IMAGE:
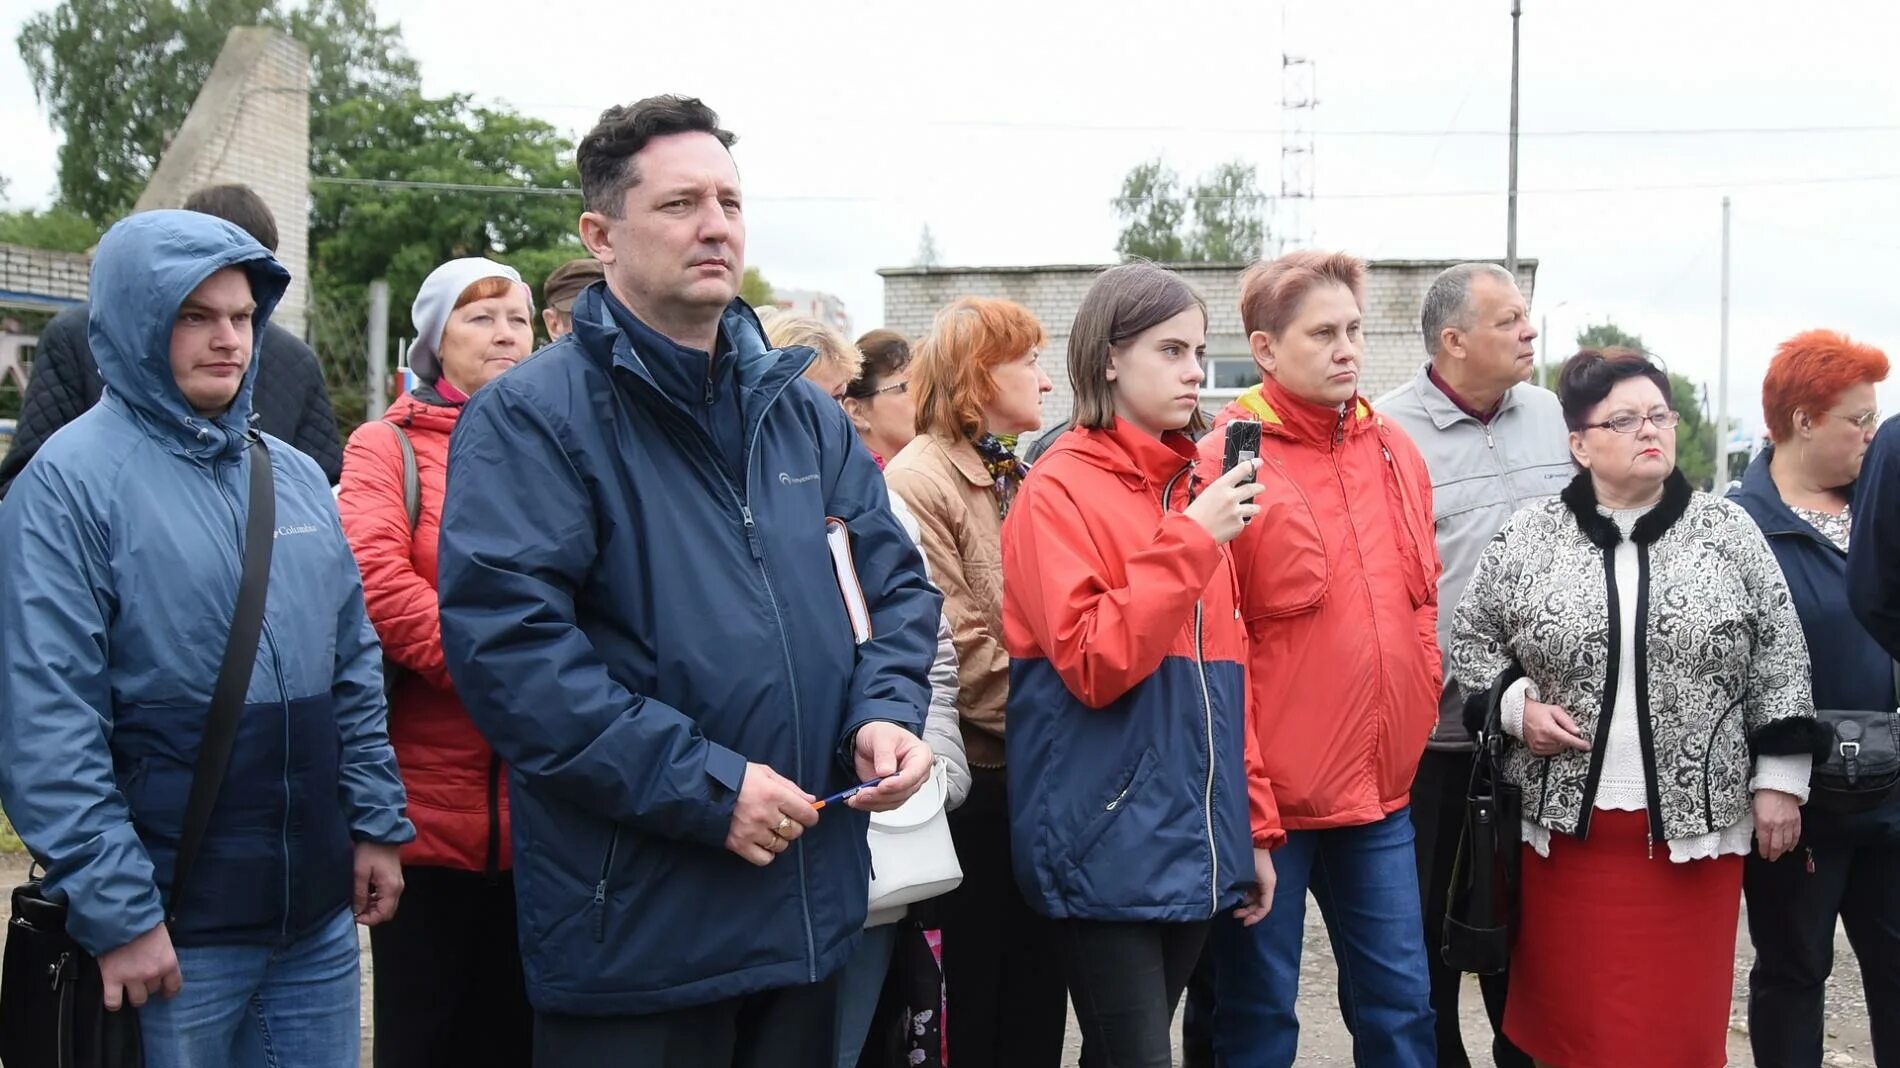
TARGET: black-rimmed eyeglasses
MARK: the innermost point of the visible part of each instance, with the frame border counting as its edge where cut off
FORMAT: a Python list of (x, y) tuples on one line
[(1630, 422)]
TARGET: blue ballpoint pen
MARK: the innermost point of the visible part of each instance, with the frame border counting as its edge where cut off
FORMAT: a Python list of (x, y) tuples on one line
[(845, 795)]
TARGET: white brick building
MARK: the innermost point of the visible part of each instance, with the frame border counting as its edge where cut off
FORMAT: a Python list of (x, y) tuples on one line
[(251, 125), (1394, 291)]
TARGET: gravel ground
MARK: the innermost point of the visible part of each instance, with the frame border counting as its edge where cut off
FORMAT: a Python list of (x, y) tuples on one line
[(1325, 1042)]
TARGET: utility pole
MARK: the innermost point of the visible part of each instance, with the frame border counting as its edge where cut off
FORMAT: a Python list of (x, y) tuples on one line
[(1510, 238), (377, 351), (1721, 389)]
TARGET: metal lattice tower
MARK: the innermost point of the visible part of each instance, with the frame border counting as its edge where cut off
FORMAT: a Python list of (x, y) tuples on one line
[(1293, 221)]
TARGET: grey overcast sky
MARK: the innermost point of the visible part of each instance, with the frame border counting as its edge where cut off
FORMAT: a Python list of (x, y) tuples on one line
[(1006, 127)]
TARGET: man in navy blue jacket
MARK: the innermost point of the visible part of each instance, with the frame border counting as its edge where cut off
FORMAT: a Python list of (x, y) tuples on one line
[(640, 611)]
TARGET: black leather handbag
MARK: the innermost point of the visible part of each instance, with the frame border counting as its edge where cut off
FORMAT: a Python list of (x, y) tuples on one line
[(1481, 908), (52, 1002), (1860, 768)]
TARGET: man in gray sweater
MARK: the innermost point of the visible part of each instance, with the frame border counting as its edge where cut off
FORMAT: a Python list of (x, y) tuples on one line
[(1494, 443)]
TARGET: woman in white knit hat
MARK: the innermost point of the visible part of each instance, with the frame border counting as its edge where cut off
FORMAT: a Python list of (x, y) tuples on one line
[(449, 986)]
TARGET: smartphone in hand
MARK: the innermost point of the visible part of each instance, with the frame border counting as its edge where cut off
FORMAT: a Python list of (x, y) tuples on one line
[(1243, 444)]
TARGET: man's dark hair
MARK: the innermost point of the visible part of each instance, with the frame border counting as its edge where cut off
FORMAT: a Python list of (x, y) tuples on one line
[(240, 206), (605, 157)]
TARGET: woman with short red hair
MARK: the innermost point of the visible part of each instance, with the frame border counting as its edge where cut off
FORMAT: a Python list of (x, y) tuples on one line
[(1339, 590), (977, 383), (1818, 399)]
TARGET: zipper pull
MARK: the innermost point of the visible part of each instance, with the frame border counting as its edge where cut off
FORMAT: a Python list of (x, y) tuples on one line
[(751, 533), (1810, 852)]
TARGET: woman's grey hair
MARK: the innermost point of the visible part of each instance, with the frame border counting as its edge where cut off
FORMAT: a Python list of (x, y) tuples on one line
[(1448, 301)]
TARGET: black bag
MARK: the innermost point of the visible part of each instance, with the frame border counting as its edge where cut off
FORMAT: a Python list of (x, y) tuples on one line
[(907, 1026), (1861, 766), (1481, 908), (52, 1002)]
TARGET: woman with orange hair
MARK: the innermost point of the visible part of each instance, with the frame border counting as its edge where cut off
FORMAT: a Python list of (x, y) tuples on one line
[(1818, 399), (977, 383)]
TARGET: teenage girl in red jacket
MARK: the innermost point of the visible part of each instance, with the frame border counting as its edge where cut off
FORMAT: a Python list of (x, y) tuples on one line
[(1129, 754)]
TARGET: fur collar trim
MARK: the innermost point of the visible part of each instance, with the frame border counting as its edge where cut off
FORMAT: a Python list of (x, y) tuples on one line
[(1581, 498)]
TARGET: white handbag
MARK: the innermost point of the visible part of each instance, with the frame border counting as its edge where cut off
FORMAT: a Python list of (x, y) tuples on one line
[(912, 856)]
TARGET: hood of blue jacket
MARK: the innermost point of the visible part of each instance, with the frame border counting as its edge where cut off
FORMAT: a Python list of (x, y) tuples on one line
[(145, 267)]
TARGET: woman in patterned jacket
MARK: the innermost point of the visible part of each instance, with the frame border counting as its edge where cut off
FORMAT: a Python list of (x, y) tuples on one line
[(1662, 728)]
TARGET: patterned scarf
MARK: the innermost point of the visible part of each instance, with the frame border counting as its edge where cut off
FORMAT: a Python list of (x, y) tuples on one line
[(1006, 469)]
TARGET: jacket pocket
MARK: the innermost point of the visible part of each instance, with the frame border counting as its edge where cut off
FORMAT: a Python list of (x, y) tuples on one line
[(1406, 514), (1283, 567), (600, 888), (1112, 807)]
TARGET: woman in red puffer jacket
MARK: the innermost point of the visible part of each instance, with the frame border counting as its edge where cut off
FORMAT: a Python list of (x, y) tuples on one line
[(449, 986)]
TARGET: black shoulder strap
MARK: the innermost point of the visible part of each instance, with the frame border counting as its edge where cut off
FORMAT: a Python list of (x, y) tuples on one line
[(411, 478), (234, 675)]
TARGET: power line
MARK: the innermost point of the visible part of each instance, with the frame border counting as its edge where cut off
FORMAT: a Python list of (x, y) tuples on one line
[(1258, 131), (523, 190), (1691, 131), (1564, 191), (560, 191)]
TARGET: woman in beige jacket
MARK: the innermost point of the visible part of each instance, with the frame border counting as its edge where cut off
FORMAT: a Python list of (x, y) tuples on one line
[(977, 385)]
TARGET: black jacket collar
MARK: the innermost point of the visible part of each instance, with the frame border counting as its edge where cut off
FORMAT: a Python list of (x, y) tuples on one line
[(1581, 498)]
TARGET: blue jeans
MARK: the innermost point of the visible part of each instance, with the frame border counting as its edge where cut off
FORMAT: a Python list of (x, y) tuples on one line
[(1366, 882), (860, 983), (292, 1006)]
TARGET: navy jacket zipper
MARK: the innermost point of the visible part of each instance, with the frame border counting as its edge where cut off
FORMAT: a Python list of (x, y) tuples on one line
[(741, 498)]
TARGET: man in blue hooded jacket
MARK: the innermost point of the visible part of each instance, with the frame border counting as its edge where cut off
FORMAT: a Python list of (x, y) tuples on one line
[(641, 612), (124, 548)]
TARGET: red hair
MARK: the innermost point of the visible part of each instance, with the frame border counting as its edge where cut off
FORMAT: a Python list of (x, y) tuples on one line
[(1270, 293), (1809, 372), (950, 377), (488, 289)]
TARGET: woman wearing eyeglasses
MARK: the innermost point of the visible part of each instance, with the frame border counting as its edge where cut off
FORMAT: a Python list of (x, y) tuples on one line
[(1662, 729), (878, 399), (1808, 492)]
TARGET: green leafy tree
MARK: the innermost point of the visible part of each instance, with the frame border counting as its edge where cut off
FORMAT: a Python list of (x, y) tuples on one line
[(1152, 210), (360, 233), (1227, 208), (118, 77), (1228, 225), (1695, 435), (755, 290), (59, 229), (1608, 335)]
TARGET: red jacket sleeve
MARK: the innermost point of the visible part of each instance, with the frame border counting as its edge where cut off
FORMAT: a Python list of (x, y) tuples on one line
[(402, 604), (1101, 639), (1263, 810)]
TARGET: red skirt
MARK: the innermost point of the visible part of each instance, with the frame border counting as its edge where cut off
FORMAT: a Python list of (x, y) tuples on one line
[(1624, 960)]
